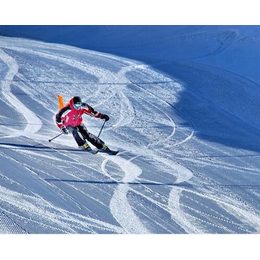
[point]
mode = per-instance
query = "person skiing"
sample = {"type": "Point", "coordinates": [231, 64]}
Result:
{"type": "Point", "coordinates": [69, 119]}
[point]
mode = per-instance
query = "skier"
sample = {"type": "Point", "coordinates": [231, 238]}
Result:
{"type": "Point", "coordinates": [69, 119]}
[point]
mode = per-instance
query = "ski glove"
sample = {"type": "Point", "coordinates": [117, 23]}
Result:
{"type": "Point", "coordinates": [64, 130]}
{"type": "Point", "coordinates": [106, 117]}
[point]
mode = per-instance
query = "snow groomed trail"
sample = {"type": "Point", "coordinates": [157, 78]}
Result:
{"type": "Point", "coordinates": [166, 178]}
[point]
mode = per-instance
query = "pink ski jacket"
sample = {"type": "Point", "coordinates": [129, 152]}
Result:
{"type": "Point", "coordinates": [69, 116]}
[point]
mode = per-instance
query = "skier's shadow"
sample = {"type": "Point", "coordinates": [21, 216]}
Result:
{"type": "Point", "coordinates": [40, 147]}
{"type": "Point", "coordinates": [186, 185]}
{"type": "Point", "coordinates": [183, 185]}
{"type": "Point", "coordinates": [22, 146]}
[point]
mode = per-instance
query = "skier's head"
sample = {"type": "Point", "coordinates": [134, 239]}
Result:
{"type": "Point", "coordinates": [76, 102]}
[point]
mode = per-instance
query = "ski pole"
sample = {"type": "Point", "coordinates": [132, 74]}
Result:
{"type": "Point", "coordinates": [101, 129]}
{"type": "Point", "coordinates": [55, 137]}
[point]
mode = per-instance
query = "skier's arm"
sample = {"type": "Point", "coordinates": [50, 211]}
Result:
{"type": "Point", "coordinates": [91, 111]}
{"type": "Point", "coordinates": [59, 116]}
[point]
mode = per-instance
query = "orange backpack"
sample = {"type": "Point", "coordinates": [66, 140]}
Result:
{"type": "Point", "coordinates": [61, 103]}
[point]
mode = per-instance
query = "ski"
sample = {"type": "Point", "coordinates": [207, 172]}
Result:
{"type": "Point", "coordinates": [89, 150]}
{"type": "Point", "coordinates": [110, 152]}
{"type": "Point", "coordinates": [92, 151]}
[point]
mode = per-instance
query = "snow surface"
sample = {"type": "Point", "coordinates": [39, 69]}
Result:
{"type": "Point", "coordinates": [186, 124]}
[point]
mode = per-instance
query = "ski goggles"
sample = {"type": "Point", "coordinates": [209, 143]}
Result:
{"type": "Point", "coordinates": [78, 105]}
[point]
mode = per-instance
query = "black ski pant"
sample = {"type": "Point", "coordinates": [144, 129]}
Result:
{"type": "Point", "coordinates": [81, 134]}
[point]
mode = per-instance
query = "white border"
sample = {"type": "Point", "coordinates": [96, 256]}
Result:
{"type": "Point", "coordinates": [130, 12]}
{"type": "Point", "coordinates": [129, 247]}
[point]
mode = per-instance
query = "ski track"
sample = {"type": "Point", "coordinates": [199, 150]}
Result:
{"type": "Point", "coordinates": [64, 221]}
{"type": "Point", "coordinates": [34, 124]}
{"type": "Point", "coordinates": [119, 206]}
{"type": "Point", "coordinates": [59, 219]}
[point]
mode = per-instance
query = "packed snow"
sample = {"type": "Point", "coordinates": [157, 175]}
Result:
{"type": "Point", "coordinates": [187, 136]}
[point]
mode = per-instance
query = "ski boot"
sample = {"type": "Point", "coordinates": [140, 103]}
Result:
{"type": "Point", "coordinates": [105, 149]}
{"type": "Point", "coordinates": [85, 146]}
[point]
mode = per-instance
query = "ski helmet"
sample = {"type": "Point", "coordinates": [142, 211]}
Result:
{"type": "Point", "coordinates": [77, 102]}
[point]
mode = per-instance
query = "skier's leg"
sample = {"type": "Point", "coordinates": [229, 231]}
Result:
{"type": "Point", "coordinates": [96, 141]}
{"type": "Point", "coordinates": [77, 136]}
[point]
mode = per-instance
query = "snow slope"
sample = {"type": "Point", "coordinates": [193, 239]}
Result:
{"type": "Point", "coordinates": [189, 160]}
